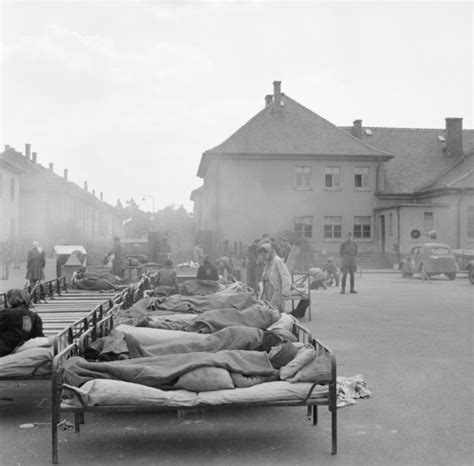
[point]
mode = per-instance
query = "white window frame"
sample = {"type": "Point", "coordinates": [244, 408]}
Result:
{"type": "Point", "coordinates": [364, 174]}
{"type": "Point", "coordinates": [428, 221]}
{"type": "Point", "coordinates": [332, 221]}
{"type": "Point", "coordinates": [306, 223]}
{"type": "Point", "coordinates": [358, 222]}
{"type": "Point", "coordinates": [303, 176]}
{"type": "Point", "coordinates": [335, 173]}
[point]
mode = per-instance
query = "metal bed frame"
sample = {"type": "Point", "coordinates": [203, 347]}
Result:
{"type": "Point", "coordinates": [103, 327]}
{"type": "Point", "coordinates": [299, 279]}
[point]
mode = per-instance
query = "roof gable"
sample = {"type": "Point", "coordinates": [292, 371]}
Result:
{"type": "Point", "coordinates": [293, 129]}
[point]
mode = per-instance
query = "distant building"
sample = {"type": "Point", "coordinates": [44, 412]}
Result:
{"type": "Point", "coordinates": [289, 169]}
{"type": "Point", "coordinates": [54, 210]}
{"type": "Point", "coordinates": [9, 200]}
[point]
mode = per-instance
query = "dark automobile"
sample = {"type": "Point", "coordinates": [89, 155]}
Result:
{"type": "Point", "coordinates": [465, 260]}
{"type": "Point", "coordinates": [430, 259]}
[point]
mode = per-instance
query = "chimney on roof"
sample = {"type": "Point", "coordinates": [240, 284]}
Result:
{"type": "Point", "coordinates": [454, 146]}
{"type": "Point", "coordinates": [51, 166]}
{"type": "Point", "coordinates": [93, 192]}
{"type": "Point", "coordinates": [277, 95]}
{"type": "Point", "coordinates": [65, 173]}
{"type": "Point", "coordinates": [101, 196]}
{"type": "Point", "coordinates": [34, 157]}
{"type": "Point", "coordinates": [357, 128]}
{"type": "Point", "coordinates": [85, 186]}
{"type": "Point", "coordinates": [268, 99]}
{"type": "Point", "coordinates": [7, 147]}
{"type": "Point", "coordinates": [27, 151]}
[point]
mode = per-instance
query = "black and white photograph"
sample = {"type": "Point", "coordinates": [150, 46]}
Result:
{"type": "Point", "coordinates": [236, 232]}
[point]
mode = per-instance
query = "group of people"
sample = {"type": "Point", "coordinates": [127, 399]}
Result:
{"type": "Point", "coordinates": [329, 274]}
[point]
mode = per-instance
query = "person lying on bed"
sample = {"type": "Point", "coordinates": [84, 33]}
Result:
{"type": "Point", "coordinates": [17, 322]}
{"type": "Point", "coordinates": [91, 281]}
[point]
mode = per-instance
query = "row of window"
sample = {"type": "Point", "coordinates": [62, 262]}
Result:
{"type": "Point", "coordinates": [332, 177]}
{"type": "Point", "coordinates": [332, 227]}
{"type": "Point", "coordinates": [12, 187]}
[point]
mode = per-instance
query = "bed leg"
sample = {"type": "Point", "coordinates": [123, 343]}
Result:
{"type": "Point", "coordinates": [334, 429]}
{"type": "Point", "coordinates": [314, 414]}
{"type": "Point", "coordinates": [54, 418]}
{"type": "Point", "coordinates": [77, 421]}
{"type": "Point", "coordinates": [308, 412]}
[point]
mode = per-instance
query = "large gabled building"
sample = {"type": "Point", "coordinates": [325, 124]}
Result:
{"type": "Point", "coordinates": [289, 169]}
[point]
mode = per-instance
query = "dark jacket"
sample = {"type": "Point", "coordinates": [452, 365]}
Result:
{"type": "Point", "coordinates": [18, 325]}
{"type": "Point", "coordinates": [207, 272]}
{"type": "Point", "coordinates": [35, 264]}
{"type": "Point", "coordinates": [348, 252]}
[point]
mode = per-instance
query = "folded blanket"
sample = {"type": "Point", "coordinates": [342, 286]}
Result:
{"type": "Point", "coordinates": [163, 371]}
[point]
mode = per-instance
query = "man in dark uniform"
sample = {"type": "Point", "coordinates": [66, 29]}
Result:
{"type": "Point", "coordinates": [348, 252]}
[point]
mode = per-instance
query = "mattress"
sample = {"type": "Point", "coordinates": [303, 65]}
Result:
{"type": "Point", "coordinates": [103, 392]}
{"type": "Point", "coordinates": [27, 363]}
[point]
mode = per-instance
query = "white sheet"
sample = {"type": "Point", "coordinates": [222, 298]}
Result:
{"type": "Point", "coordinates": [23, 364]}
{"type": "Point", "coordinates": [102, 392]}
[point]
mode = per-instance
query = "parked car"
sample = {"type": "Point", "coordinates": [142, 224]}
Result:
{"type": "Point", "coordinates": [470, 272]}
{"type": "Point", "coordinates": [431, 258]}
{"type": "Point", "coordinates": [465, 260]}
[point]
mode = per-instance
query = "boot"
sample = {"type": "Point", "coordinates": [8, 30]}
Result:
{"type": "Point", "coordinates": [342, 291]}
{"type": "Point", "coordinates": [353, 291]}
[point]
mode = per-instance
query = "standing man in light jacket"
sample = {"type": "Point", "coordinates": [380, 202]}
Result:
{"type": "Point", "coordinates": [276, 278]}
{"type": "Point", "coordinates": [348, 252]}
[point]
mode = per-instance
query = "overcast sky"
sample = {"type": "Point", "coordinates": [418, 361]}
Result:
{"type": "Point", "coordinates": [128, 95]}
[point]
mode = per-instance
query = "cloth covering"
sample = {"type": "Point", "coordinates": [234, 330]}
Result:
{"type": "Point", "coordinates": [32, 361]}
{"type": "Point", "coordinates": [162, 371]}
{"type": "Point", "coordinates": [231, 338]}
{"type": "Point", "coordinates": [199, 287]}
{"type": "Point", "coordinates": [102, 392]}
{"type": "Point", "coordinates": [257, 316]}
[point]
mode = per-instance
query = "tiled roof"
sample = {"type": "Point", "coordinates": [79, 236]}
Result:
{"type": "Point", "coordinates": [419, 155]}
{"type": "Point", "coordinates": [293, 129]}
{"type": "Point", "coordinates": [459, 176]}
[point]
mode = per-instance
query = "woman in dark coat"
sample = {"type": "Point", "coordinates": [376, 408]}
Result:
{"type": "Point", "coordinates": [35, 264]}
{"type": "Point", "coordinates": [17, 323]}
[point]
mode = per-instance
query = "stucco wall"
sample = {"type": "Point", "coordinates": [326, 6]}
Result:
{"type": "Point", "coordinates": [449, 221]}
{"type": "Point", "coordinates": [9, 209]}
{"type": "Point", "coordinates": [258, 196]}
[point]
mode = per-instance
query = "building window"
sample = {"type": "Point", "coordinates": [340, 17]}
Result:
{"type": "Point", "coordinates": [303, 177]}
{"type": "Point", "coordinates": [390, 224]}
{"type": "Point", "coordinates": [470, 221]}
{"type": "Point", "coordinates": [1, 185]}
{"type": "Point", "coordinates": [361, 177]}
{"type": "Point", "coordinates": [12, 189]}
{"type": "Point", "coordinates": [304, 225]}
{"type": "Point", "coordinates": [362, 228]}
{"type": "Point", "coordinates": [332, 177]}
{"type": "Point", "coordinates": [332, 227]}
{"type": "Point", "coordinates": [428, 221]}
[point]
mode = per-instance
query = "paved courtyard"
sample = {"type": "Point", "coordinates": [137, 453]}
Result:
{"type": "Point", "coordinates": [411, 341]}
